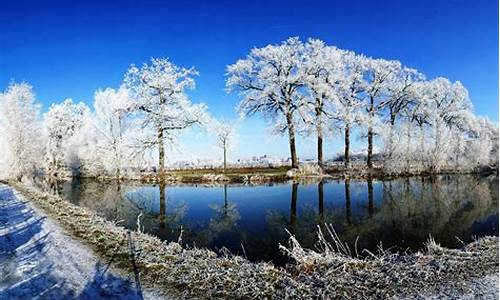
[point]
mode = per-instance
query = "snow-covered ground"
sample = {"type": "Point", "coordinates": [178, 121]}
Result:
{"type": "Point", "coordinates": [39, 261]}
{"type": "Point", "coordinates": [483, 288]}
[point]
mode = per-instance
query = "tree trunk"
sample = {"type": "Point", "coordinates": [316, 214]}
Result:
{"type": "Point", "coordinates": [423, 151]}
{"type": "Point", "coordinates": [225, 161]}
{"type": "Point", "coordinates": [319, 130]}
{"type": "Point", "coordinates": [320, 150]}
{"type": "Point", "coordinates": [291, 139]}
{"type": "Point", "coordinates": [119, 153]}
{"type": "Point", "coordinates": [161, 155]}
{"type": "Point", "coordinates": [408, 148]}
{"type": "Point", "coordinates": [369, 161]}
{"type": "Point", "coordinates": [437, 145]}
{"type": "Point", "coordinates": [347, 144]}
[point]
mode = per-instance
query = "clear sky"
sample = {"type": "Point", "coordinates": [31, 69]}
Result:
{"type": "Point", "coordinates": [68, 50]}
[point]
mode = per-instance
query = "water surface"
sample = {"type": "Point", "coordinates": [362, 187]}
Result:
{"type": "Point", "coordinates": [398, 214]}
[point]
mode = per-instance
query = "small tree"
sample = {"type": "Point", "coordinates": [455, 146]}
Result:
{"type": "Point", "coordinates": [225, 138]}
{"type": "Point", "coordinates": [159, 100]}
{"type": "Point", "coordinates": [20, 131]}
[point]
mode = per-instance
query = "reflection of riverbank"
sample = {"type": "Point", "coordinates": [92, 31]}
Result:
{"type": "Point", "coordinates": [399, 213]}
{"type": "Point", "coordinates": [452, 209]}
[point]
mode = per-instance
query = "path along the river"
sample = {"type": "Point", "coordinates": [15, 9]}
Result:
{"type": "Point", "coordinates": [39, 261]}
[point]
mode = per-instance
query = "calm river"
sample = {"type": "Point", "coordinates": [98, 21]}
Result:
{"type": "Point", "coordinates": [399, 214]}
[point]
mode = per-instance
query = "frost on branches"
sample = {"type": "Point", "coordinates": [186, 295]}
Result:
{"type": "Point", "coordinates": [420, 125]}
{"type": "Point", "coordinates": [21, 141]}
{"type": "Point", "coordinates": [225, 136]}
{"type": "Point", "coordinates": [308, 88]}
{"type": "Point", "coordinates": [63, 123]}
{"type": "Point", "coordinates": [113, 130]}
{"type": "Point", "coordinates": [159, 101]}
{"type": "Point", "coordinates": [323, 70]}
{"type": "Point", "coordinates": [270, 80]}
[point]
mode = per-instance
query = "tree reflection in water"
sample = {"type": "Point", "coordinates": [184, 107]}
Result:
{"type": "Point", "coordinates": [293, 208]}
{"type": "Point", "coordinates": [321, 202]}
{"type": "Point", "coordinates": [224, 216]}
{"type": "Point", "coordinates": [162, 215]}
{"type": "Point", "coordinates": [347, 191]}
{"type": "Point", "coordinates": [400, 213]}
{"type": "Point", "coordinates": [370, 197]}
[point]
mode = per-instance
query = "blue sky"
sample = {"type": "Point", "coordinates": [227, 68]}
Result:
{"type": "Point", "coordinates": [68, 50]}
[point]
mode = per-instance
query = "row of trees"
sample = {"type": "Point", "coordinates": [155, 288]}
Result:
{"type": "Point", "coordinates": [144, 115]}
{"type": "Point", "coordinates": [307, 88]}
{"type": "Point", "coordinates": [316, 89]}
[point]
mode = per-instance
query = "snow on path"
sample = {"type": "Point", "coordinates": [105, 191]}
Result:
{"type": "Point", "coordinates": [38, 261]}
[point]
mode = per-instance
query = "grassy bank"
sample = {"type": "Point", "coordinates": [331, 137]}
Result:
{"type": "Point", "coordinates": [232, 175]}
{"type": "Point", "coordinates": [329, 273]}
{"type": "Point", "coordinates": [280, 174]}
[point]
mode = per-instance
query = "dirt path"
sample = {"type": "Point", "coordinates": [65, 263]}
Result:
{"type": "Point", "coordinates": [39, 261]}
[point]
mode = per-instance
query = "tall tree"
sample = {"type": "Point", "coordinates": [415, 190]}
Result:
{"type": "Point", "coordinates": [349, 97]}
{"type": "Point", "coordinates": [270, 80]}
{"type": "Point", "coordinates": [158, 93]}
{"type": "Point", "coordinates": [448, 106]}
{"type": "Point", "coordinates": [401, 101]}
{"type": "Point", "coordinates": [379, 74]}
{"type": "Point", "coordinates": [20, 132]}
{"type": "Point", "coordinates": [323, 69]}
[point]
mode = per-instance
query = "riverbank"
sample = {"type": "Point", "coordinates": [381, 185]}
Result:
{"type": "Point", "coordinates": [329, 274]}
{"type": "Point", "coordinates": [38, 260]}
{"type": "Point", "coordinates": [306, 172]}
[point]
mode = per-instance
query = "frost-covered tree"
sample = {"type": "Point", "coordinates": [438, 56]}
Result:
{"type": "Point", "coordinates": [323, 69]}
{"type": "Point", "coordinates": [20, 132]}
{"type": "Point", "coordinates": [159, 101]}
{"type": "Point", "coordinates": [63, 123]}
{"type": "Point", "coordinates": [480, 146]}
{"type": "Point", "coordinates": [448, 106]}
{"type": "Point", "coordinates": [377, 78]}
{"type": "Point", "coordinates": [349, 98]}
{"type": "Point", "coordinates": [437, 129]}
{"type": "Point", "coordinates": [225, 138]}
{"type": "Point", "coordinates": [402, 98]}
{"type": "Point", "coordinates": [401, 110]}
{"type": "Point", "coordinates": [270, 80]}
{"type": "Point", "coordinates": [112, 126]}
{"type": "Point", "coordinates": [401, 92]}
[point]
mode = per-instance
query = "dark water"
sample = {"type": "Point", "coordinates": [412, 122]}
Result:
{"type": "Point", "coordinates": [399, 214]}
